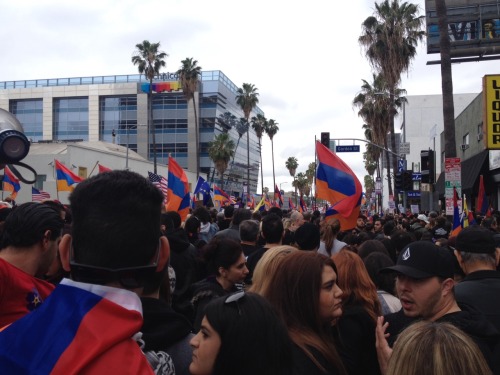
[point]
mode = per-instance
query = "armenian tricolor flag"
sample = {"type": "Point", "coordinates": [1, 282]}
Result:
{"type": "Point", "coordinates": [178, 189]}
{"type": "Point", "coordinates": [336, 183]}
{"type": "Point", "coordinates": [65, 177]}
{"type": "Point", "coordinates": [11, 183]}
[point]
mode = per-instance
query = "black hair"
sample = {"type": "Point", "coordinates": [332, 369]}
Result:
{"type": "Point", "coordinates": [241, 214]}
{"type": "Point", "coordinates": [221, 252]}
{"type": "Point", "coordinates": [272, 228]}
{"type": "Point", "coordinates": [27, 223]}
{"type": "Point", "coordinates": [249, 230]}
{"type": "Point", "coordinates": [175, 217]}
{"type": "Point", "coordinates": [376, 261]}
{"type": "Point", "coordinates": [116, 220]}
{"type": "Point", "coordinates": [276, 210]}
{"type": "Point", "coordinates": [254, 340]}
{"type": "Point", "coordinates": [203, 214]}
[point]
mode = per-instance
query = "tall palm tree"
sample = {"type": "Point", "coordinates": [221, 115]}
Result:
{"type": "Point", "coordinates": [292, 164]}
{"type": "Point", "coordinates": [189, 74]}
{"type": "Point", "coordinates": [149, 59]}
{"type": "Point", "coordinates": [221, 150]}
{"type": "Point", "coordinates": [258, 125]}
{"type": "Point", "coordinates": [390, 38]}
{"type": "Point", "coordinates": [247, 99]}
{"type": "Point", "coordinates": [310, 173]}
{"type": "Point", "coordinates": [271, 128]}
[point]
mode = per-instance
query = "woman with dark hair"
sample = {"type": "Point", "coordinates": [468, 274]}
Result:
{"type": "Point", "coordinates": [241, 334]}
{"type": "Point", "coordinates": [384, 282]}
{"type": "Point", "coordinates": [226, 269]}
{"type": "Point", "coordinates": [355, 330]}
{"type": "Point", "coordinates": [306, 295]}
{"type": "Point", "coordinates": [192, 227]}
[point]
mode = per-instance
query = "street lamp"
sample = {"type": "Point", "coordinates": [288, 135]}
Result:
{"type": "Point", "coordinates": [282, 184]}
{"type": "Point", "coordinates": [126, 153]}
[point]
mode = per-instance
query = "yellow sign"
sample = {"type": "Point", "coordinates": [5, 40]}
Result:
{"type": "Point", "coordinates": [491, 94]}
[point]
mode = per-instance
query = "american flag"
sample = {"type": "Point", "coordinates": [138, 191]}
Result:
{"type": "Point", "coordinates": [39, 195]}
{"type": "Point", "coordinates": [160, 182]}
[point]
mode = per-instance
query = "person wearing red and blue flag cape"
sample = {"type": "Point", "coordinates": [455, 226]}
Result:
{"type": "Point", "coordinates": [90, 323]}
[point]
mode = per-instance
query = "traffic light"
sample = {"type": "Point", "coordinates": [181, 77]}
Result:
{"type": "Point", "coordinates": [407, 180]}
{"type": "Point", "coordinates": [325, 139]}
{"type": "Point", "coordinates": [427, 166]}
{"type": "Point", "coordinates": [398, 181]}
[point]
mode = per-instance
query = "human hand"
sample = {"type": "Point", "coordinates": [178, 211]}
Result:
{"type": "Point", "coordinates": [384, 351]}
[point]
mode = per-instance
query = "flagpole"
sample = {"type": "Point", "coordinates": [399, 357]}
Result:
{"type": "Point", "coordinates": [55, 178]}
{"type": "Point", "coordinates": [93, 169]}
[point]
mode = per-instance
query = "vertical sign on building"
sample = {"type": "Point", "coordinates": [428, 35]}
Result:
{"type": "Point", "coordinates": [491, 92]}
{"type": "Point", "coordinates": [452, 178]}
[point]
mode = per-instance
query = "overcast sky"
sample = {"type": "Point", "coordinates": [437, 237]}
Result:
{"type": "Point", "coordinates": [303, 57]}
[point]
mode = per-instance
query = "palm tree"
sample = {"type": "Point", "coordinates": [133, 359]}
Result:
{"type": "Point", "coordinates": [390, 38]}
{"type": "Point", "coordinates": [292, 164]}
{"type": "Point", "coordinates": [149, 59]}
{"type": "Point", "coordinates": [271, 128]}
{"type": "Point", "coordinates": [227, 121]}
{"type": "Point", "coordinates": [310, 173]}
{"type": "Point", "coordinates": [258, 125]}
{"type": "Point", "coordinates": [301, 183]}
{"type": "Point", "coordinates": [221, 150]}
{"type": "Point", "coordinates": [247, 99]}
{"type": "Point", "coordinates": [189, 74]}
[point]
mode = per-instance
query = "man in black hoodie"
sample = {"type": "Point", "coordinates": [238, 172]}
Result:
{"type": "Point", "coordinates": [183, 259]}
{"type": "Point", "coordinates": [425, 286]}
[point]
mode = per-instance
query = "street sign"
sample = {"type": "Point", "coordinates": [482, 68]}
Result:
{"type": "Point", "coordinates": [352, 148]}
{"type": "Point", "coordinates": [401, 165]}
{"type": "Point", "coordinates": [413, 194]}
{"type": "Point", "coordinates": [404, 148]}
{"type": "Point", "coordinates": [416, 176]}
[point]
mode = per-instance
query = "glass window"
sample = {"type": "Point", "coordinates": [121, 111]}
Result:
{"type": "Point", "coordinates": [70, 118]}
{"type": "Point", "coordinates": [29, 112]}
{"type": "Point", "coordinates": [118, 113]}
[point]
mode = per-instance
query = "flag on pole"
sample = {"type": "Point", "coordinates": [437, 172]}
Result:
{"type": "Point", "coordinates": [220, 195]}
{"type": "Point", "coordinates": [203, 188]}
{"type": "Point", "coordinates": [260, 204]}
{"type": "Point", "coordinates": [38, 195]}
{"type": "Point", "coordinates": [277, 196]}
{"type": "Point", "coordinates": [302, 205]}
{"type": "Point", "coordinates": [11, 182]}
{"type": "Point", "coordinates": [103, 169]}
{"type": "Point", "coordinates": [482, 199]}
{"type": "Point", "coordinates": [457, 227]}
{"type": "Point", "coordinates": [337, 183]}
{"type": "Point", "coordinates": [465, 215]}
{"type": "Point", "coordinates": [65, 177]}
{"type": "Point", "coordinates": [160, 182]}
{"type": "Point", "coordinates": [178, 189]}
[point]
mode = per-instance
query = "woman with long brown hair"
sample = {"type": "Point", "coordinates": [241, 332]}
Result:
{"type": "Point", "coordinates": [306, 295]}
{"type": "Point", "coordinates": [354, 331]}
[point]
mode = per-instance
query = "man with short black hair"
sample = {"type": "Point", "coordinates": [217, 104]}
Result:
{"type": "Point", "coordinates": [249, 234]}
{"type": "Point", "coordinates": [233, 232]}
{"type": "Point", "coordinates": [90, 324]}
{"type": "Point", "coordinates": [28, 246]}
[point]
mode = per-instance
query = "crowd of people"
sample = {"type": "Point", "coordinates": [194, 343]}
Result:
{"type": "Point", "coordinates": [112, 282]}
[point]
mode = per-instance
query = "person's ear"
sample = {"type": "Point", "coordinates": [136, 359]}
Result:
{"type": "Point", "coordinates": [64, 251]}
{"type": "Point", "coordinates": [164, 253]}
{"type": "Point", "coordinates": [46, 239]}
{"type": "Point", "coordinates": [448, 285]}
{"type": "Point", "coordinates": [497, 255]}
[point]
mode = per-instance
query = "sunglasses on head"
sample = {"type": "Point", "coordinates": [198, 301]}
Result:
{"type": "Point", "coordinates": [128, 277]}
{"type": "Point", "coordinates": [235, 297]}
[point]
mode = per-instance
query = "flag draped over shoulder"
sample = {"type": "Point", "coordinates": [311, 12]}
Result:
{"type": "Point", "coordinates": [336, 183]}
{"type": "Point", "coordinates": [457, 227]}
{"type": "Point", "coordinates": [178, 189]}
{"type": "Point", "coordinates": [65, 177]}
{"type": "Point", "coordinates": [11, 183]}
{"type": "Point", "coordinates": [38, 195]}
{"type": "Point", "coordinates": [103, 169]}
{"type": "Point", "coordinates": [97, 335]}
{"type": "Point", "coordinates": [482, 199]}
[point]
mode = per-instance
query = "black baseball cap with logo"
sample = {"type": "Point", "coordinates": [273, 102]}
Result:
{"type": "Point", "coordinates": [423, 259]}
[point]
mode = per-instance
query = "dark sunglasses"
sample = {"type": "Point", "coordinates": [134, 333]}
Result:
{"type": "Point", "coordinates": [235, 297]}
{"type": "Point", "coordinates": [128, 277]}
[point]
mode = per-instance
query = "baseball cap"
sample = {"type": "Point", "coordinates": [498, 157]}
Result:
{"type": "Point", "coordinates": [423, 259]}
{"type": "Point", "coordinates": [475, 239]}
{"type": "Point", "coordinates": [423, 218]}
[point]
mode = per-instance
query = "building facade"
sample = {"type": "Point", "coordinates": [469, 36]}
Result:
{"type": "Point", "coordinates": [114, 109]}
